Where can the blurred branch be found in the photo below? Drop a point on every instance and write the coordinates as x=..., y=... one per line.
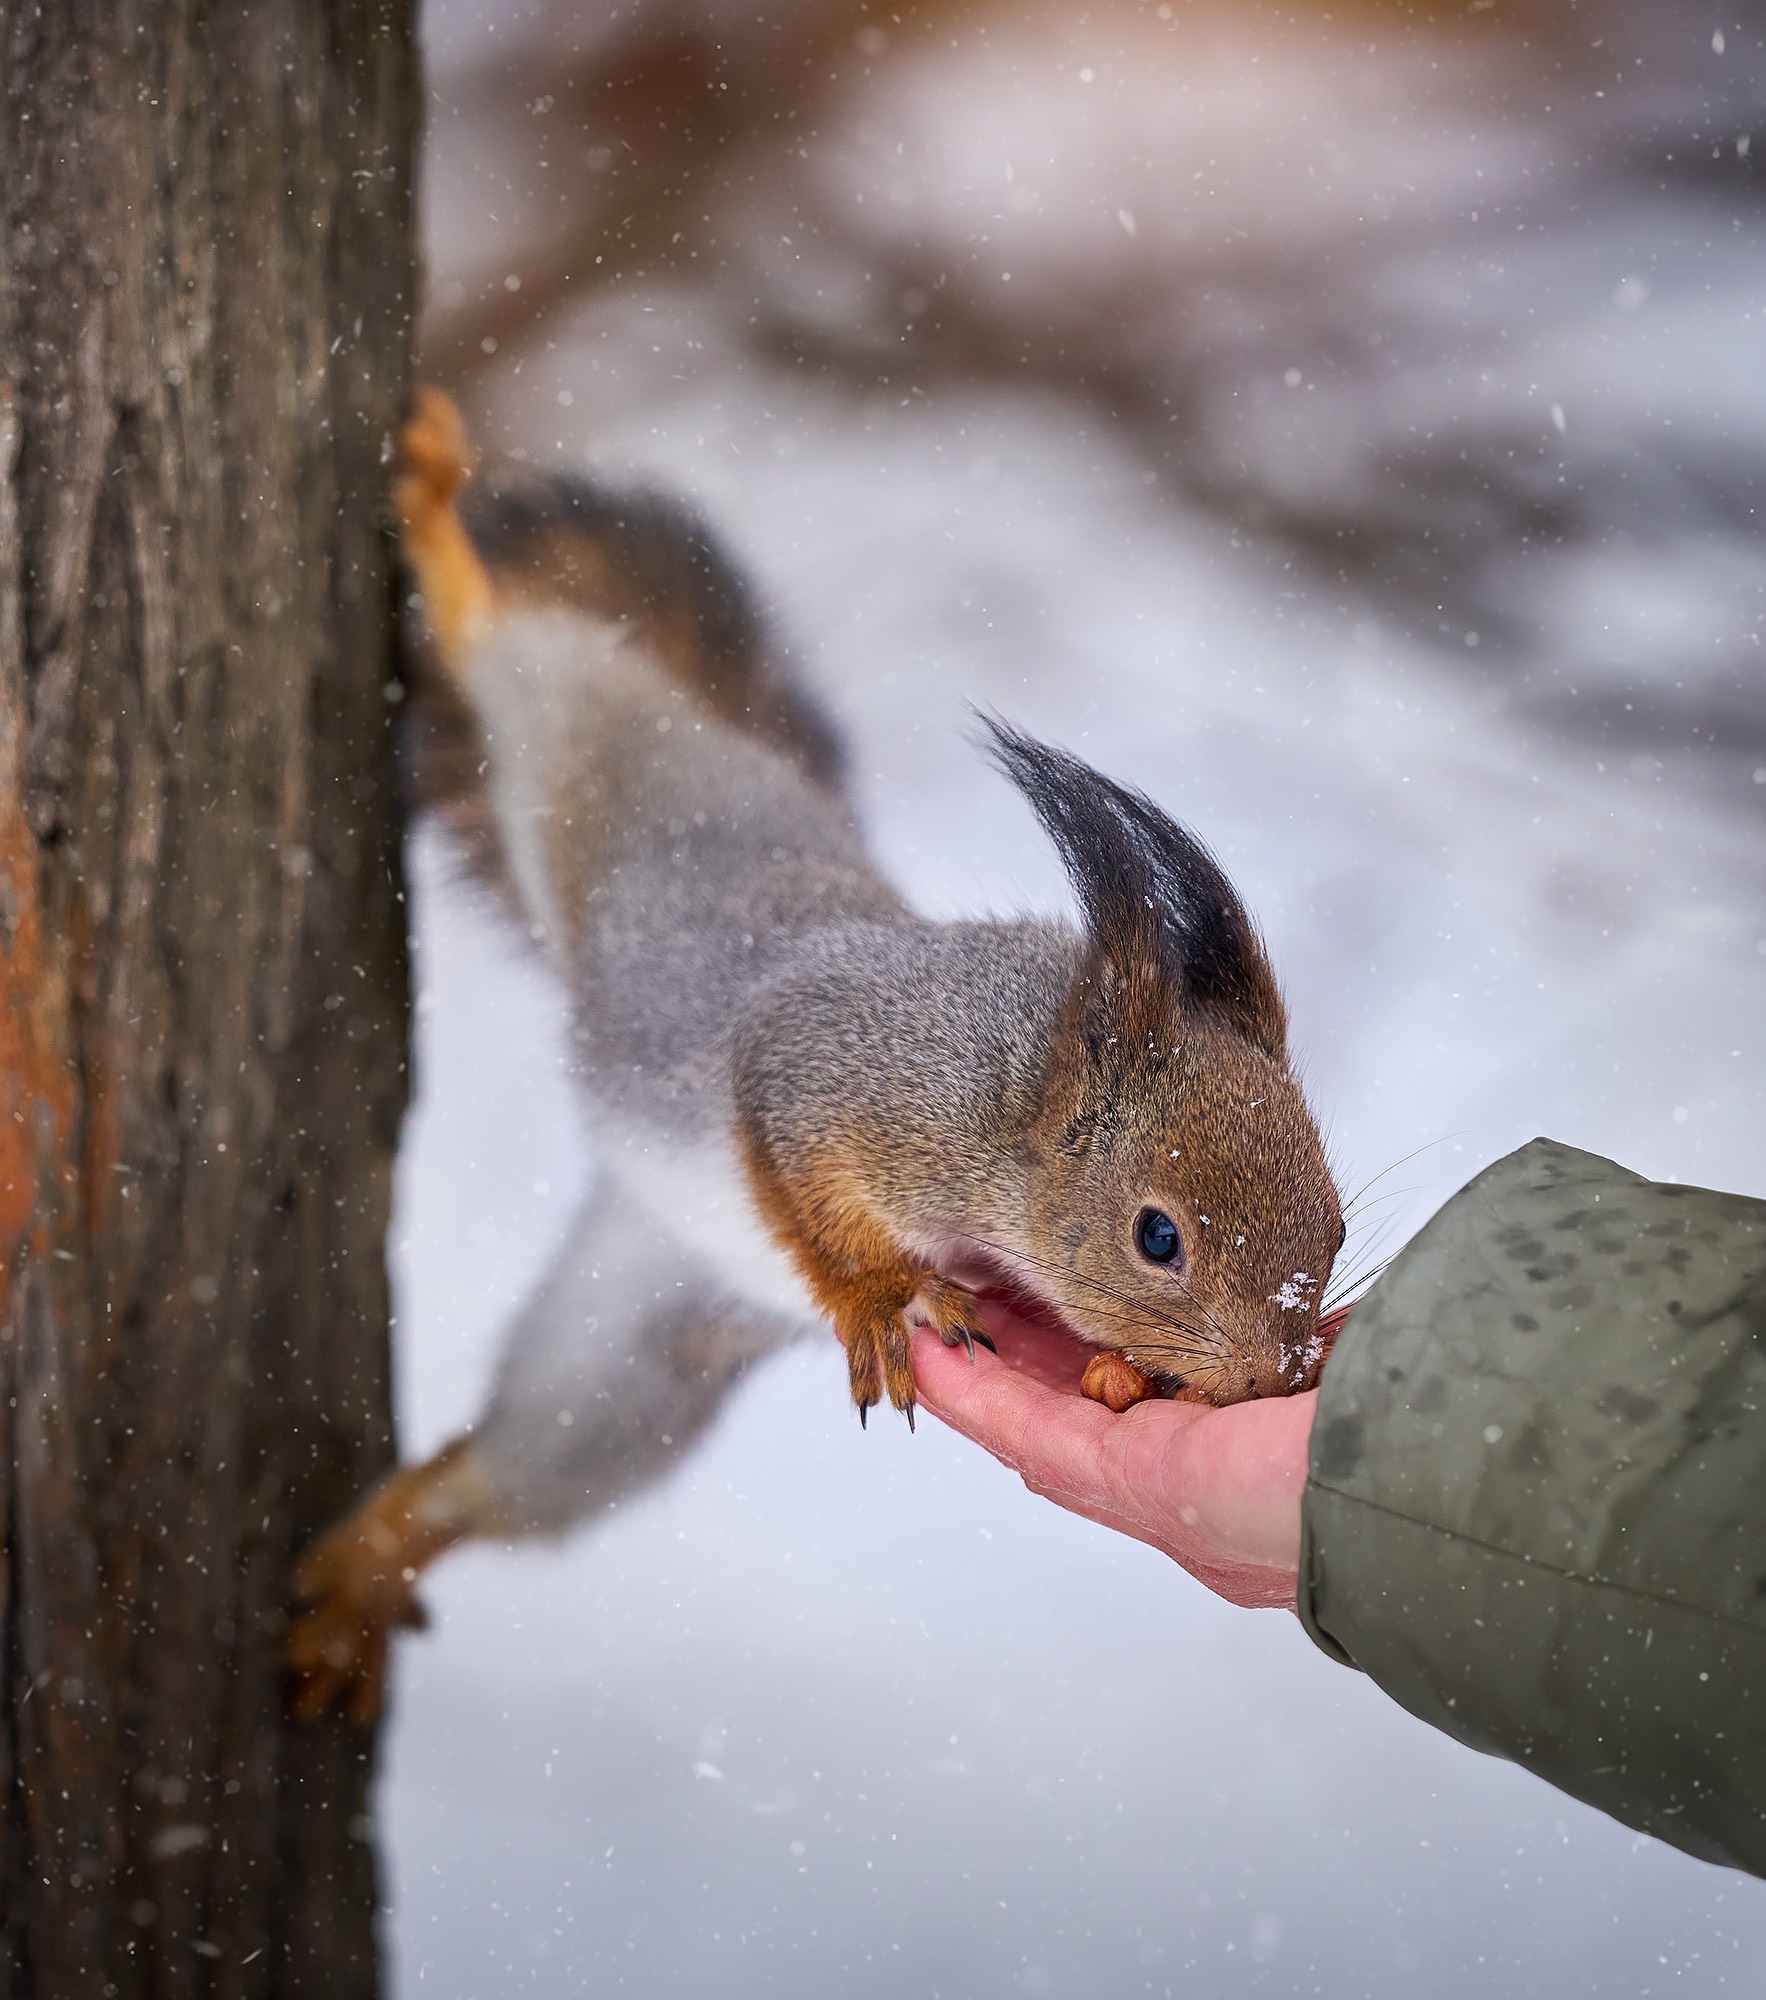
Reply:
x=693, y=124
x=677, y=114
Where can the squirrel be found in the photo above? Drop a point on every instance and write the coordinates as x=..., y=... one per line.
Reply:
x=809, y=1101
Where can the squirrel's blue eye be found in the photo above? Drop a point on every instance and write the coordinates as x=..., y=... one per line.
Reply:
x=1156, y=1237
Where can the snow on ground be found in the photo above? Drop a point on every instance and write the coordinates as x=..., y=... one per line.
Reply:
x=837, y=1713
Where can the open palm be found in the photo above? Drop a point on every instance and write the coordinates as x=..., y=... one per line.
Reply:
x=1217, y=1490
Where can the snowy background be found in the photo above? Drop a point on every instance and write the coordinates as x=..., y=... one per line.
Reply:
x=1350, y=431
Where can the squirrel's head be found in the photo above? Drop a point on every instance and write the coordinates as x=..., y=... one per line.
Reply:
x=1179, y=1206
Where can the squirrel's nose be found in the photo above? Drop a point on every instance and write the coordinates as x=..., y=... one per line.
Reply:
x=1278, y=1366
x=1270, y=1382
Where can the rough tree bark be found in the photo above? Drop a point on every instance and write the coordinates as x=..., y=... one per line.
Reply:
x=205, y=322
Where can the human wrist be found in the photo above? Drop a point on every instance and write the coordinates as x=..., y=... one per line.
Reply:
x=1234, y=1509
x=1273, y=1478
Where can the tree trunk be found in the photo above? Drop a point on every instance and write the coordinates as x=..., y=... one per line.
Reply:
x=205, y=322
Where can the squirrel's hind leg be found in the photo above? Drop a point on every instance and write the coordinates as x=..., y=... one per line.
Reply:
x=609, y=1373
x=458, y=595
x=358, y=1579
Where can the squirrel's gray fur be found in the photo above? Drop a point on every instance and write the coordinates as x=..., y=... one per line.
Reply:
x=737, y=932
x=805, y=1099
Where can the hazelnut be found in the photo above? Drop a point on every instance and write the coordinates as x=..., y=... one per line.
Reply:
x=1113, y=1380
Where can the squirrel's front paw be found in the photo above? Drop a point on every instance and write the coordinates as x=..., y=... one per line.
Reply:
x=875, y=1329
x=949, y=1311
x=876, y=1338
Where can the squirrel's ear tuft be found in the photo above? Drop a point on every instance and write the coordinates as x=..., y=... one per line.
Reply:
x=1157, y=906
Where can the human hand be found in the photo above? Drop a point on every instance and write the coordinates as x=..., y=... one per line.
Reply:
x=1217, y=1490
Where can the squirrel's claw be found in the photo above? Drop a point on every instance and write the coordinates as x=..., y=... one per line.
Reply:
x=948, y=1310
x=875, y=1327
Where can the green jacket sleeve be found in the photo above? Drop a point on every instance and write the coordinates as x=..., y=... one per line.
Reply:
x=1536, y=1510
